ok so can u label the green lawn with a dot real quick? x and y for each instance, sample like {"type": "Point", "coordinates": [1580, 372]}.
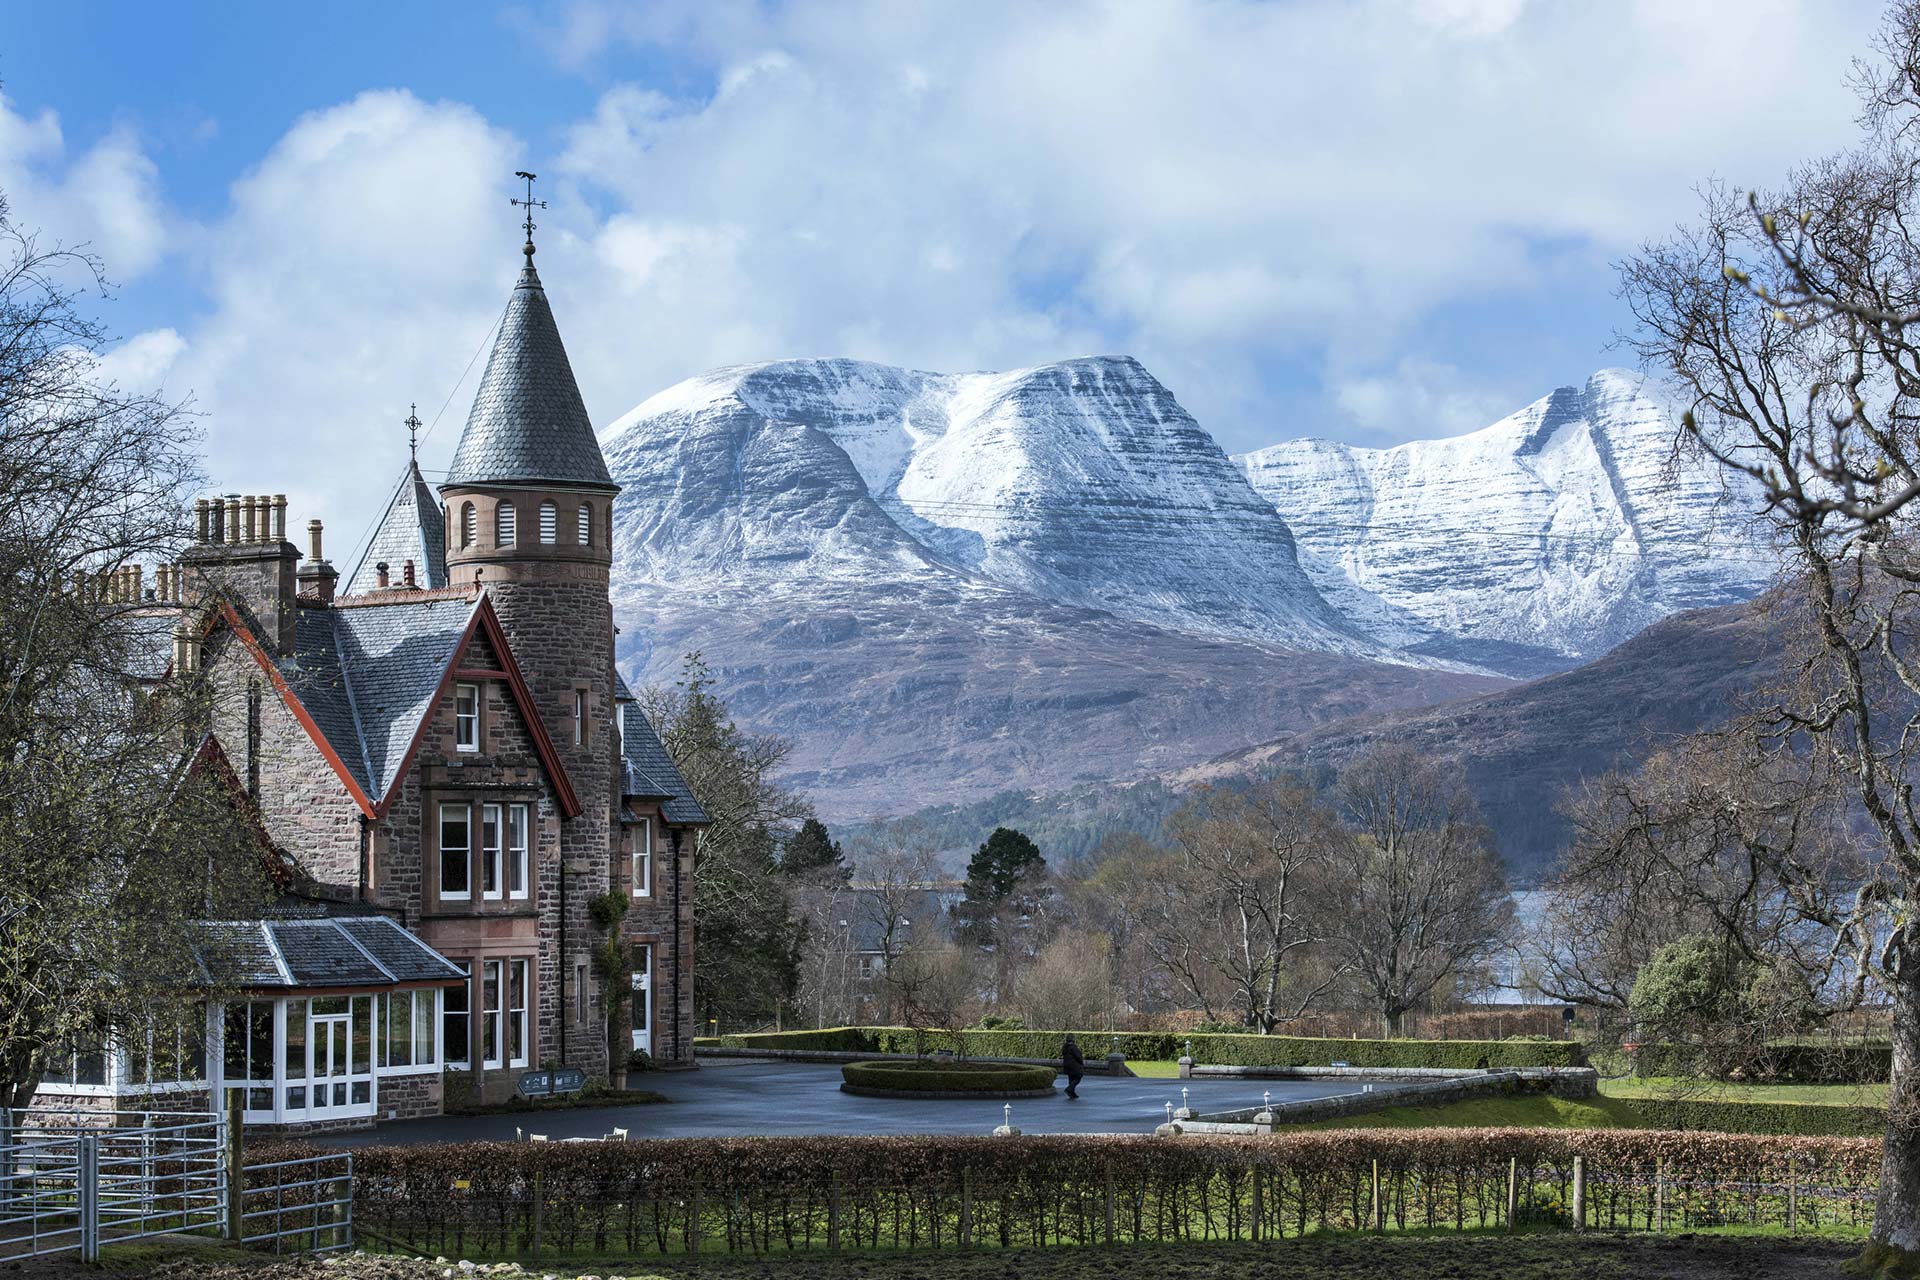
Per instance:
{"type": "Point", "coordinates": [1535, 1111]}
{"type": "Point", "coordinates": [1147, 1069]}
{"type": "Point", "coordinates": [1836, 1095]}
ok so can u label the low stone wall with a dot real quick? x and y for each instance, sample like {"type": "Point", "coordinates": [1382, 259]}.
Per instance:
{"type": "Point", "coordinates": [1460, 1086]}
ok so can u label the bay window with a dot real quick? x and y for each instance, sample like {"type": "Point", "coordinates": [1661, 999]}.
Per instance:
{"type": "Point", "coordinates": [409, 1029]}
{"type": "Point", "coordinates": [491, 870]}
{"type": "Point", "coordinates": [492, 1013]}
{"type": "Point", "coordinates": [456, 1033]}
{"type": "Point", "coordinates": [517, 1013]}
{"type": "Point", "coordinates": [455, 851]}
{"type": "Point", "coordinates": [517, 850]}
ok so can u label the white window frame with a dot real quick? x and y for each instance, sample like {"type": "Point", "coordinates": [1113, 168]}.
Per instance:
{"type": "Point", "coordinates": [642, 981]}
{"type": "Point", "coordinates": [466, 724]}
{"type": "Point", "coordinates": [642, 869]}
{"type": "Point", "coordinates": [465, 892]}
{"type": "Point", "coordinates": [493, 868]}
{"type": "Point", "coordinates": [516, 1016]}
{"type": "Point", "coordinates": [492, 1015]}
{"type": "Point", "coordinates": [465, 1061]}
{"type": "Point", "coordinates": [519, 851]}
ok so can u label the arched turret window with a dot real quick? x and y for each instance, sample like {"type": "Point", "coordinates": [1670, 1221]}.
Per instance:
{"type": "Point", "coordinates": [503, 525]}
{"type": "Point", "coordinates": [583, 531]}
{"type": "Point", "coordinates": [467, 524]}
{"type": "Point", "coordinates": [549, 524]}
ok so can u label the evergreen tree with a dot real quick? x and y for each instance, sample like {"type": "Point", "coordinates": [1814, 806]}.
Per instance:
{"type": "Point", "coordinates": [811, 849]}
{"type": "Point", "coordinates": [1004, 864]}
{"type": "Point", "coordinates": [746, 939]}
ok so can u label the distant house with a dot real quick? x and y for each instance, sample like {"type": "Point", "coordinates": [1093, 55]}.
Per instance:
{"type": "Point", "coordinates": [916, 916]}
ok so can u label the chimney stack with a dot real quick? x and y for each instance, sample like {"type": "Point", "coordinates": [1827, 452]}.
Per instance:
{"type": "Point", "coordinates": [317, 577]}
{"type": "Point", "coordinates": [406, 574]}
{"type": "Point", "coordinates": [202, 521]}
{"type": "Point", "coordinates": [381, 569]}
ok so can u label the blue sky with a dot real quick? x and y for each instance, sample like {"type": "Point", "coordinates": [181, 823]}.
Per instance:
{"type": "Point", "coordinates": [1376, 220]}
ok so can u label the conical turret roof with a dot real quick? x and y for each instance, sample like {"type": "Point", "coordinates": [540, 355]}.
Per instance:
{"type": "Point", "coordinates": [528, 424]}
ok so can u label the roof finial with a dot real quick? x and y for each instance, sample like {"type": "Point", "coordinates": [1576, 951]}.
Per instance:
{"type": "Point", "coordinates": [529, 204]}
{"type": "Point", "coordinates": [413, 433]}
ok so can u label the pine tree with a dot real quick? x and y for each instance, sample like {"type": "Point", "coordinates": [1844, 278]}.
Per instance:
{"type": "Point", "coordinates": [1007, 861]}
{"type": "Point", "coordinates": [812, 848]}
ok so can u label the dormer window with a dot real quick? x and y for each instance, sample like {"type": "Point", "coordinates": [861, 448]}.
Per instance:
{"type": "Point", "coordinates": [503, 525]}
{"type": "Point", "coordinates": [549, 524]}
{"type": "Point", "coordinates": [466, 717]}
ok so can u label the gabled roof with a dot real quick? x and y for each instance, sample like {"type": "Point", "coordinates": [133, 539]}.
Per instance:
{"type": "Point", "coordinates": [650, 773]}
{"type": "Point", "coordinates": [329, 952]}
{"type": "Point", "coordinates": [528, 424]}
{"type": "Point", "coordinates": [411, 529]}
{"type": "Point", "coordinates": [364, 677]}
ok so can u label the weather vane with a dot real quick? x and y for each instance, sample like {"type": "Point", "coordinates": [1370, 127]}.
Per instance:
{"type": "Point", "coordinates": [529, 204]}
{"type": "Point", "coordinates": [413, 431]}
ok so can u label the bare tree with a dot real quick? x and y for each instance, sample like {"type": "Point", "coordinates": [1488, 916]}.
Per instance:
{"type": "Point", "coordinates": [108, 851]}
{"type": "Point", "coordinates": [1787, 319]}
{"type": "Point", "coordinates": [1242, 900]}
{"type": "Point", "coordinates": [1069, 984]}
{"type": "Point", "coordinates": [1421, 898]}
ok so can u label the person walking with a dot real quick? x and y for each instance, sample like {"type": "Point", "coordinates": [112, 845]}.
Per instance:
{"type": "Point", "coordinates": [1073, 1065]}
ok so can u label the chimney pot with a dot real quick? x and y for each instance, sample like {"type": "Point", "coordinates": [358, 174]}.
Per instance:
{"type": "Point", "coordinates": [263, 505]}
{"type": "Point", "coordinates": [232, 530]}
{"type": "Point", "coordinates": [279, 517]}
{"type": "Point", "coordinates": [406, 573]}
{"type": "Point", "coordinates": [163, 582]}
{"type": "Point", "coordinates": [381, 569]}
{"type": "Point", "coordinates": [134, 574]}
{"type": "Point", "coordinates": [247, 526]}
{"type": "Point", "coordinates": [202, 521]}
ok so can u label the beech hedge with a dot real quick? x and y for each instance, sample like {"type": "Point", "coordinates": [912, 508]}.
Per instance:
{"type": "Point", "coordinates": [942, 1077]}
{"type": "Point", "coordinates": [1788, 1118]}
{"type": "Point", "coordinates": [1854, 1063]}
{"type": "Point", "coordinates": [1212, 1049]}
{"type": "Point", "coordinates": [761, 1195]}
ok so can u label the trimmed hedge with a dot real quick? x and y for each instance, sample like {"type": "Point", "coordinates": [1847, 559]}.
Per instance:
{"type": "Point", "coordinates": [772, 1195]}
{"type": "Point", "coordinates": [1215, 1050]}
{"type": "Point", "coordinates": [1785, 1063]}
{"type": "Point", "coordinates": [948, 1077]}
{"type": "Point", "coordinates": [1794, 1119]}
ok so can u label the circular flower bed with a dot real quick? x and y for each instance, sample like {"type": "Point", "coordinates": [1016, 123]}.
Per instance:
{"type": "Point", "coordinates": [918, 1078]}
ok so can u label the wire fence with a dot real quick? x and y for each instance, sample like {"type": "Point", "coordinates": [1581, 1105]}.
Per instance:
{"type": "Point", "coordinates": [608, 1204]}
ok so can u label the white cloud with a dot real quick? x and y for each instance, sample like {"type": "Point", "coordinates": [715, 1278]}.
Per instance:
{"type": "Point", "coordinates": [105, 198]}
{"type": "Point", "coordinates": [1221, 189]}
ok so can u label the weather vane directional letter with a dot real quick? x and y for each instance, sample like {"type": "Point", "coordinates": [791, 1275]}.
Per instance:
{"type": "Point", "coordinates": [529, 204]}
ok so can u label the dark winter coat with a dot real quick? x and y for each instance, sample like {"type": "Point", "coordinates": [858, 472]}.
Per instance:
{"type": "Point", "coordinates": [1071, 1062]}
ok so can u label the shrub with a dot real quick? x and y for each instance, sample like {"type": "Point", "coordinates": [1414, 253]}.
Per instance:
{"type": "Point", "coordinates": [1800, 1119]}
{"type": "Point", "coordinates": [948, 1077]}
{"type": "Point", "coordinates": [1828, 1062]}
{"type": "Point", "coordinates": [763, 1194]}
{"type": "Point", "coordinates": [1245, 1050]}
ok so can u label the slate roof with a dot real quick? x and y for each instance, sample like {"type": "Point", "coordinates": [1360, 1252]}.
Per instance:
{"type": "Point", "coordinates": [367, 675]}
{"type": "Point", "coordinates": [528, 423]}
{"type": "Point", "coordinates": [926, 915]}
{"type": "Point", "coordinates": [411, 529]}
{"type": "Point", "coordinates": [650, 771]}
{"type": "Point", "coordinates": [351, 951]}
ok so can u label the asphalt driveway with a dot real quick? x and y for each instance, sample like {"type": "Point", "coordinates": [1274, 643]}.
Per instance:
{"type": "Point", "coordinates": [733, 1097]}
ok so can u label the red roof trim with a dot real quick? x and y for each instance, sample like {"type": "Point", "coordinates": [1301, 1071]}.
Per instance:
{"type": "Point", "coordinates": [484, 619]}
{"type": "Point", "coordinates": [287, 695]}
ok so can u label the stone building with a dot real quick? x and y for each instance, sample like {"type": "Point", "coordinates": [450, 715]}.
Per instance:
{"type": "Point", "coordinates": [443, 755]}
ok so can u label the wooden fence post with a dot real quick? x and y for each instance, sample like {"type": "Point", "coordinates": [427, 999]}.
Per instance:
{"type": "Point", "coordinates": [833, 1212]}
{"type": "Point", "coordinates": [693, 1219]}
{"type": "Point", "coordinates": [1793, 1195]}
{"type": "Point", "coordinates": [537, 1206]}
{"type": "Point", "coordinates": [1107, 1166]}
{"type": "Point", "coordinates": [1579, 1194]}
{"type": "Point", "coordinates": [1660, 1194]}
{"type": "Point", "coordinates": [966, 1207]}
{"type": "Point", "coordinates": [236, 1165]}
{"type": "Point", "coordinates": [1259, 1187]}
{"type": "Point", "coordinates": [1513, 1190]}
{"type": "Point", "coordinates": [1379, 1205]}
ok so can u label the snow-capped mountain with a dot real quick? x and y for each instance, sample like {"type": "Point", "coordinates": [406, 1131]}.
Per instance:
{"type": "Point", "coordinates": [1540, 541]}
{"type": "Point", "coordinates": [1082, 483]}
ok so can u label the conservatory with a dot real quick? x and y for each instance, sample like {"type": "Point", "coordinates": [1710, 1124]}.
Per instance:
{"type": "Point", "coordinates": [339, 1022]}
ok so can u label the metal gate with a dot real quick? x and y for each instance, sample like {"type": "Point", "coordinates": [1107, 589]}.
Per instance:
{"type": "Point", "coordinates": [78, 1179]}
